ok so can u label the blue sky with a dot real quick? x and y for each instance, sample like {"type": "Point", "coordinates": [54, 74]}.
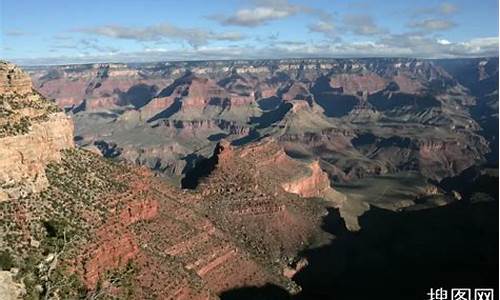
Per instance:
{"type": "Point", "coordinates": [52, 32]}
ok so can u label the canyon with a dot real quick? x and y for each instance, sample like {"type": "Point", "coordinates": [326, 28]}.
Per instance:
{"type": "Point", "coordinates": [220, 179]}
{"type": "Point", "coordinates": [361, 117]}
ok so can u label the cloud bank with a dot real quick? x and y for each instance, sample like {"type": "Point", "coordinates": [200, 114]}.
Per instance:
{"type": "Point", "coordinates": [193, 36]}
{"type": "Point", "coordinates": [329, 34]}
{"type": "Point", "coordinates": [388, 46]}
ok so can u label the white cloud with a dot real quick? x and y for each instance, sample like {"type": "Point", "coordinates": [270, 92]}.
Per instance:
{"type": "Point", "coordinates": [251, 17]}
{"type": "Point", "coordinates": [362, 25]}
{"type": "Point", "coordinates": [433, 25]}
{"type": "Point", "coordinates": [476, 47]}
{"type": "Point", "coordinates": [322, 26]}
{"type": "Point", "coordinates": [16, 33]}
{"type": "Point", "coordinates": [193, 36]}
{"type": "Point", "coordinates": [404, 45]}
{"type": "Point", "coordinates": [264, 11]}
{"type": "Point", "coordinates": [444, 9]}
{"type": "Point", "coordinates": [258, 15]}
{"type": "Point", "coordinates": [443, 42]}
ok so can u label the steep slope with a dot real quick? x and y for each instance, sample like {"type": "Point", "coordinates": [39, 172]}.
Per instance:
{"type": "Point", "coordinates": [480, 77]}
{"type": "Point", "coordinates": [112, 224]}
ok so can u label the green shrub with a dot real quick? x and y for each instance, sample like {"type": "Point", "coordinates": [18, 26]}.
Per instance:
{"type": "Point", "coordinates": [6, 260]}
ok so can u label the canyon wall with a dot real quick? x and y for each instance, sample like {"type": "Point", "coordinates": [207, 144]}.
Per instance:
{"type": "Point", "coordinates": [33, 134]}
{"type": "Point", "coordinates": [23, 158]}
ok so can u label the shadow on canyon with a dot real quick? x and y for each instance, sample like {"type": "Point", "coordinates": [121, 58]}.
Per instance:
{"type": "Point", "coordinates": [202, 168]}
{"type": "Point", "coordinates": [271, 117]}
{"type": "Point", "coordinates": [252, 136]}
{"type": "Point", "coordinates": [270, 103]}
{"type": "Point", "coordinates": [399, 255]}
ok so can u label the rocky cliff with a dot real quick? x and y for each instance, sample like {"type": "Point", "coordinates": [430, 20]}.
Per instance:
{"type": "Point", "coordinates": [317, 184]}
{"type": "Point", "coordinates": [13, 80]}
{"type": "Point", "coordinates": [32, 134]}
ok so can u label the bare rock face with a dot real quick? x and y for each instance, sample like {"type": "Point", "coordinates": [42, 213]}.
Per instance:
{"type": "Point", "coordinates": [10, 290]}
{"type": "Point", "coordinates": [311, 186]}
{"type": "Point", "coordinates": [32, 134]}
{"type": "Point", "coordinates": [353, 84]}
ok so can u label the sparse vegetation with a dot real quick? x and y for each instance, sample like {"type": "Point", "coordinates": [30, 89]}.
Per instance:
{"type": "Point", "coordinates": [58, 223]}
{"type": "Point", "coordinates": [18, 112]}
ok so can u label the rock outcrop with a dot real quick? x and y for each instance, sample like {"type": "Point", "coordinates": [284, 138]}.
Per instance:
{"type": "Point", "coordinates": [23, 158]}
{"type": "Point", "coordinates": [103, 86]}
{"type": "Point", "coordinates": [13, 80]}
{"type": "Point", "coordinates": [9, 289]}
{"type": "Point", "coordinates": [32, 134]}
{"type": "Point", "coordinates": [317, 184]}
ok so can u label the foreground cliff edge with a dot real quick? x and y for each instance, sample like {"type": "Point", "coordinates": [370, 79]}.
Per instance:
{"type": "Point", "coordinates": [75, 224]}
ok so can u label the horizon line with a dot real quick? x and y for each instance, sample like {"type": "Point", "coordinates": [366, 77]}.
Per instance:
{"type": "Point", "coordinates": [246, 60]}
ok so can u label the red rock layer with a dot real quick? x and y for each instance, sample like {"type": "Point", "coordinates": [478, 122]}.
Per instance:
{"type": "Point", "coordinates": [115, 245]}
{"type": "Point", "coordinates": [354, 83]}
{"type": "Point", "coordinates": [314, 185]}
